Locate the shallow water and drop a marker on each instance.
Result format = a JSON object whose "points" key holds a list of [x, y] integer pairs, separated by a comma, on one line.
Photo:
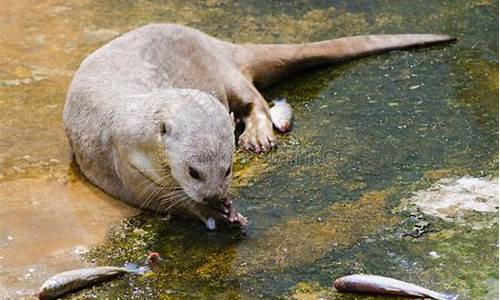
{"points": [[366, 135]]}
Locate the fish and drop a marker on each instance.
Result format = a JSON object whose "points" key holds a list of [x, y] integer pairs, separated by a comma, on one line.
{"points": [[373, 284], [281, 115], [74, 280]]}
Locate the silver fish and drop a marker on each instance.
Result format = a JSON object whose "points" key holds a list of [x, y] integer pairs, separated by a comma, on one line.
{"points": [[73, 280], [373, 284], [281, 115]]}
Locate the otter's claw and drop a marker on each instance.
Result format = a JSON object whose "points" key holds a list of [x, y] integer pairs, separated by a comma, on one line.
{"points": [[236, 219], [231, 215], [258, 135]]}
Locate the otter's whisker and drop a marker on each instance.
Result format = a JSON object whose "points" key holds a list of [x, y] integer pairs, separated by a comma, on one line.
{"points": [[172, 197], [151, 182], [156, 193], [169, 197], [171, 205], [174, 201], [152, 194], [191, 206], [144, 186], [149, 198]]}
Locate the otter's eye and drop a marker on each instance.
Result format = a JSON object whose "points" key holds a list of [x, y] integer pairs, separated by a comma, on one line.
{"points": [[194, 173], [228, 171]]}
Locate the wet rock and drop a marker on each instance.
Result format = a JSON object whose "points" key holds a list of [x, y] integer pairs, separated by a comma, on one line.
{"points": [[452, 199]]}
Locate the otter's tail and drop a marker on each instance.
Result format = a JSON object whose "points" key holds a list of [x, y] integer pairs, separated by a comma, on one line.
{"points": [[267, 63]]}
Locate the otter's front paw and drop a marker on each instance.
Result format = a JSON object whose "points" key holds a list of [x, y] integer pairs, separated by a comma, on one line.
{"points": [[258, 135]]}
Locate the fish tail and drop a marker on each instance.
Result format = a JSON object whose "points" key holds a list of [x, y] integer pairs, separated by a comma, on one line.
{"points": [[135, 269], [442, 296]]}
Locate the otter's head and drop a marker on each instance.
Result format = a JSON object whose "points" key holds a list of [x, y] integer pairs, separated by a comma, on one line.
{"points": [[198, 136], [190, 145]]}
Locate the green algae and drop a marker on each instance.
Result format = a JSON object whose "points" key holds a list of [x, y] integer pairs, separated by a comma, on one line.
{"points": [[298, 241], [309, 291]]}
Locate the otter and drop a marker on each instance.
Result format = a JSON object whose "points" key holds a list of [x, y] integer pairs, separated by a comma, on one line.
{"points": [[150, 115]]}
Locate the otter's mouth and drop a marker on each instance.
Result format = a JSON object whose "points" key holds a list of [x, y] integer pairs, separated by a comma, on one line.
{"points": [[224, 207]]}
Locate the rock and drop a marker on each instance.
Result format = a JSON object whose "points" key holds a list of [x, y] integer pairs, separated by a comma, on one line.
{"points": [[451, 199]]}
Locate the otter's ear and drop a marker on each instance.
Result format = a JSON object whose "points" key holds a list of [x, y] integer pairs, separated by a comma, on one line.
{"points": [[165, 128]]}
